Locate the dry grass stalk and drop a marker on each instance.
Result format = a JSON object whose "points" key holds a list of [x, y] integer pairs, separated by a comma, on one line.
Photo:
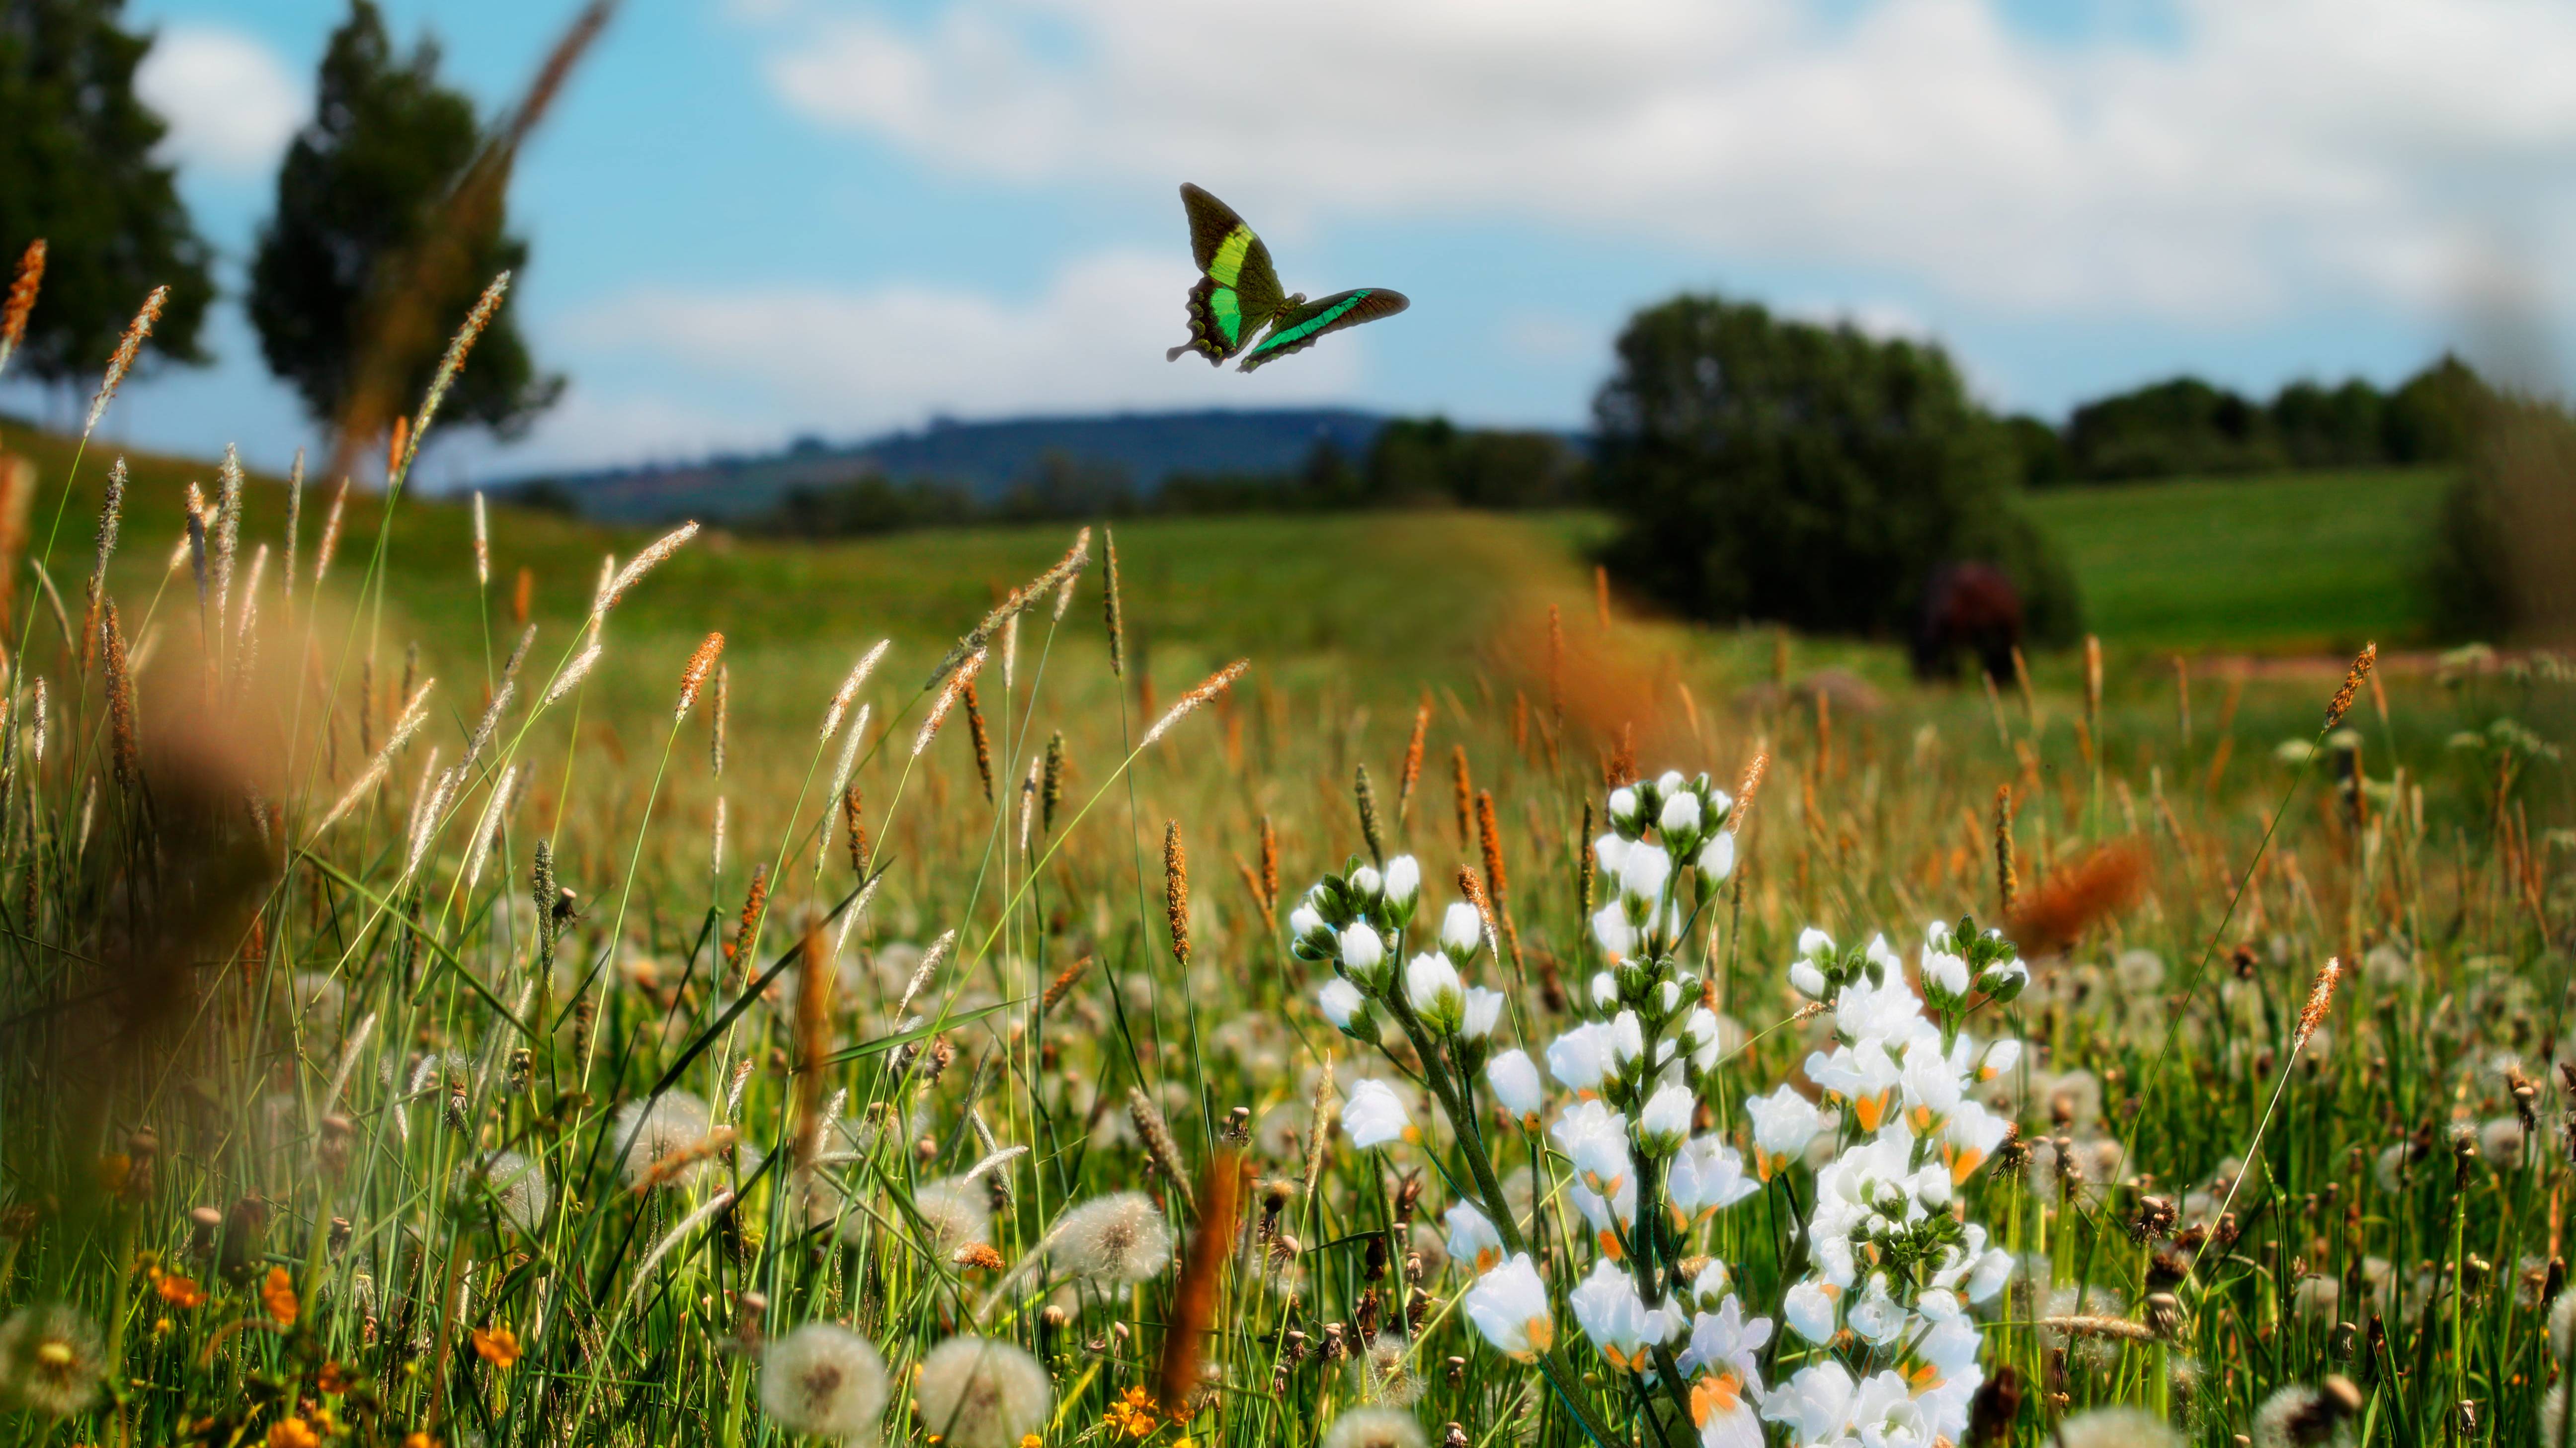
{"points": [[1412, 771], [1269, 865], [570, 679], [1157, 1135], [451, 362], [1207, 688], [716, 723], [855, 831], [1194, 1298], [946, 701], [1110, 614], [2360, 670], [645, 562], [982, 739], [2320, 1001], [746, 929], [1745, 790], [1365, 797], [415, 714], [1464, 789], [931, 960], [1489, 838], [2007, 879], [487, 827], [2072, 899], [111, 513], [22, 299], [1176, 891], [849, 690], [2097, 1326], [1064, 982], [813, 1020], [329, 543], [1051, 782], [694, 676], [482, 543], [123, 360]]}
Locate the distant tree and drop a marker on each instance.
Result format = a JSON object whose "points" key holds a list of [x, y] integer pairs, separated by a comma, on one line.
{"points": [[2322, 428], [76, 169], [1413, 461], [2175, 427], [2042, 449], [1817, 476], [2434, 415], [359, 191]]}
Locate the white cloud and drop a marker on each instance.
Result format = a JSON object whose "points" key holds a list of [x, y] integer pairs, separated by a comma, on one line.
{"points": [[853, 361], [2258, 158], [231, 103]]}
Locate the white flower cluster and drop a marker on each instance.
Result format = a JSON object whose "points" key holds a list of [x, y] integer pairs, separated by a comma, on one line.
{"points": [[1357, 922], [1894, 1264]]}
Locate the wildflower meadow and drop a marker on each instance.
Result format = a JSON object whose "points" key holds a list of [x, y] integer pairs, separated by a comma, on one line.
{"points": [[433, 1018]]}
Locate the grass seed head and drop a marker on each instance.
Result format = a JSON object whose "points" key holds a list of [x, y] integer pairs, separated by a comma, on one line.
{"points": [[123, 359], [22, 299]]}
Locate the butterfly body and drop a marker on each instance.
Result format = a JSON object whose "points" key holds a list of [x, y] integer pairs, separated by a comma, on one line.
{"points": [[1237, 307]]}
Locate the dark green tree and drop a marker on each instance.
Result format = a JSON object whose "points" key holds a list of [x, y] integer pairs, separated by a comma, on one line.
{"points": [[1766, 469], [76, 168], [364, 189], [2168, 429]]}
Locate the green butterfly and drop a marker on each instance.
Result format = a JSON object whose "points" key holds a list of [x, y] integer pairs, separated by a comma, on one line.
{"points": [[1239, 295]]}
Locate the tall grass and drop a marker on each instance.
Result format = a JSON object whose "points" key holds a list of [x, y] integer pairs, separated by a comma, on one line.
{"points": [[392, 1061]]}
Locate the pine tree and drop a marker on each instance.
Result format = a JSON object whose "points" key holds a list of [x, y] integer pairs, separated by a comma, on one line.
{"points": [[363, 191], [76, 169]]}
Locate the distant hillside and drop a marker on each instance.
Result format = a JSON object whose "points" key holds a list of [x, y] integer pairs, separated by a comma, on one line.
{"points": [[986, 457]]}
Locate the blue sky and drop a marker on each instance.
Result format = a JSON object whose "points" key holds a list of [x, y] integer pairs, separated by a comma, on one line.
{"points": [[758, 218]]}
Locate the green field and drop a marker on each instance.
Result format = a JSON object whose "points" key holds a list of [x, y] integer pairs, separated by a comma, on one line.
{"points": [[2303, 561]]}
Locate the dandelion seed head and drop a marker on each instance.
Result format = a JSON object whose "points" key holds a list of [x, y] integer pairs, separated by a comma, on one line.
{"points": [[518, 1187], [953, 1214], [823, 1379], [49, 1360], [977, 1393], [1375, 1428], [2117, 1428], [648, 1132], [1119, 1238], [1386, 1372]]}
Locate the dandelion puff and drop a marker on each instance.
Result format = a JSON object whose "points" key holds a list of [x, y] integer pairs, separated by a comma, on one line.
{"points": [[976, 1393], [645, 562], [2117, 1428], [953, 1215], [1375, 1428], [1386, 1372], [823, 1379], [1209, 688], [1120, 1238], [123, 360], [646, 1133], [2562, 1325], [2553, 1416], [49, 1360], [2299, 1415], [520, 1192]]}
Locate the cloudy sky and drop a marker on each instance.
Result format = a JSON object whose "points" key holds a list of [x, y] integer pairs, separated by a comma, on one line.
{"points": [[757, 218]]}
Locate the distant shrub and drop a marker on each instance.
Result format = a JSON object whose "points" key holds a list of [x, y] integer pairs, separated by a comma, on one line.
{"points": [[1769, 469], [2503, 560]]}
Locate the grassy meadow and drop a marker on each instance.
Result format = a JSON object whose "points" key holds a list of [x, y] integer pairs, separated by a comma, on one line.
{"points": [[350, 1094]]}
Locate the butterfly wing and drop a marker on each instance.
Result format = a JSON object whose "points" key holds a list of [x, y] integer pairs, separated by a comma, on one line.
{"points": [[1297, 330], [1238, 290]]}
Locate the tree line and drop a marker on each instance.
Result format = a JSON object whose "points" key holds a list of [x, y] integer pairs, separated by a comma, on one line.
{"points": [[368, 181]]}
